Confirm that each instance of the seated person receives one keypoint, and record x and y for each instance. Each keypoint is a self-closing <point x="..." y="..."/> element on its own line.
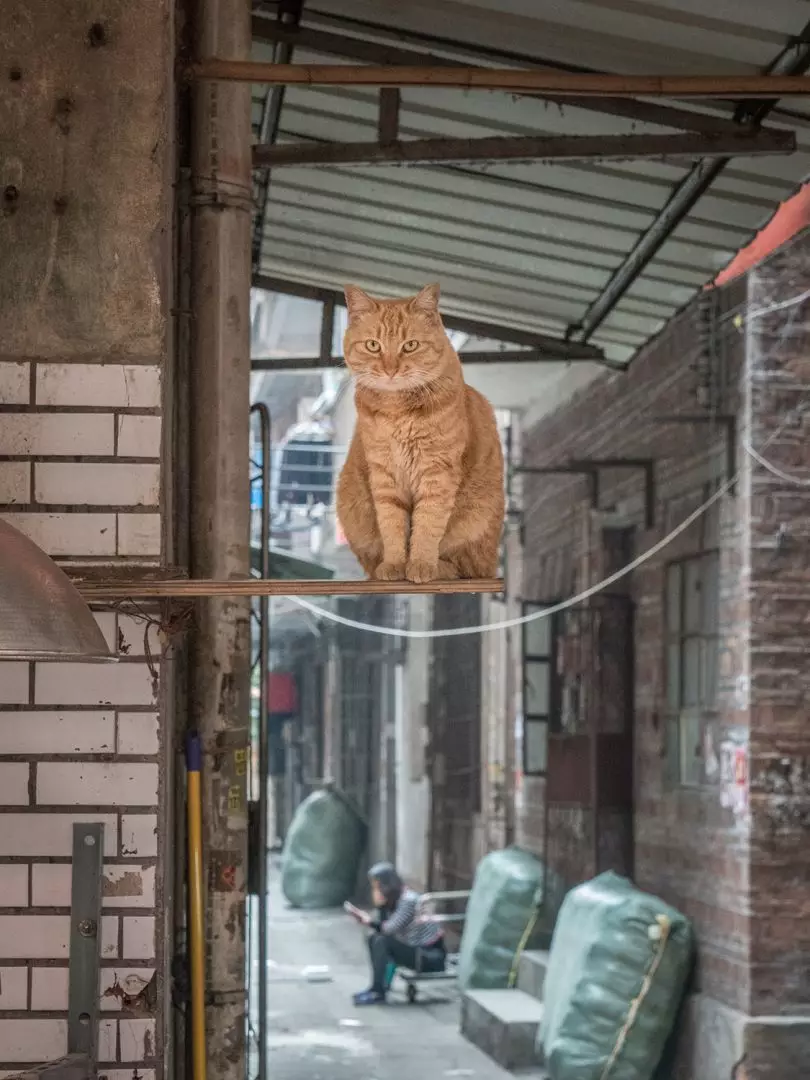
<point x="401" y="936"/>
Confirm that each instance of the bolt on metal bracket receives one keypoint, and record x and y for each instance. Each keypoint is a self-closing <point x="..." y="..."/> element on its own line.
<point x="85" y="919"/>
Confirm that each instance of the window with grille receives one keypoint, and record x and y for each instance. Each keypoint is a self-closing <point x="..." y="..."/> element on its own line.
<point x="692" y="613"/>
<point x="538" y="689"/>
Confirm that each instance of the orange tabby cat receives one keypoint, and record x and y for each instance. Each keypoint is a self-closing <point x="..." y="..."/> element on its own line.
<point x="421" y="493"/>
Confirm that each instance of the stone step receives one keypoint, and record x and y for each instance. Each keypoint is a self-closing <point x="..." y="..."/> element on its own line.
<point x="532" y="968"/>
<point x="503" y="1023"/>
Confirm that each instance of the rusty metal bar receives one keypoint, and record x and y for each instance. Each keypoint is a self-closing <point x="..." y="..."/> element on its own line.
<point x="98" y="591"/>
<point x="509" y="80"/>
<point x="375" y="52"/>
<point x="526" y="148"/>
<point x="219" y="683"/>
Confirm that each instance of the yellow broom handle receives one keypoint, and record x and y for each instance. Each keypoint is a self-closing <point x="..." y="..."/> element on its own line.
<point x="196" y="930"/>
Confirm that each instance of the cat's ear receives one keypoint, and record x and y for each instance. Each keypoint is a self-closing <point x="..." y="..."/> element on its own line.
<point x="358" y="302"/>
<point x="427" y="300"/>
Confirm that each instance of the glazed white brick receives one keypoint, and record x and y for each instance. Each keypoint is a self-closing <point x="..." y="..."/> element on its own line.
<point x="133" y="386"/>
<point x="34" y="937"/>
<point x="108" y="1042"/>
<point x="139" y="534"/>
<point x="139" y="835"/>
<point x="107" y="624"/>
<point x="13" y="988"/>
<point x="68" y="534"/>
<point x="34" y="1040"/>
<point x="14" y="778"/>
<point x="139" y="436"/>
<point x="15" y="482"/>
<point x="131" y="636"/>
<point x="139" y="937"/>
<point x="137" y="1039"/>
<point x="128" y="886"/>
<point x="126" y="1074"/>
<point x="97" y="484"/>
<point x="137" y="733"/>
<point x="14" y="682"/>
<point x="49" y="989"/>
<point x="41" y="434"/>
<point x="46" y="835"/>
<point x="109" y="937"/>
<point x="91" y="783"/>
<point x="14" y="886"/>
<point x="15" y="383"/>
<point x="55" y="732"/>
<point x="93" y="684"/>
<point x="113" y="980"/>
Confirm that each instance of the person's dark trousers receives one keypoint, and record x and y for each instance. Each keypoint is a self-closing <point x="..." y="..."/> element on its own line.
<point x="385" y="950"/>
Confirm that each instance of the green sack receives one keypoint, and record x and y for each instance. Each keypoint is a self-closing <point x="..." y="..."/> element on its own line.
<point x="322" y="852"/>
<point x="616" y="975"/>
<point x="502" y="915"/>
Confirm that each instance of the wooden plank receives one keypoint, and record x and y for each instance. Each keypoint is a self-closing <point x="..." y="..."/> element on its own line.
<point x="388" y="122"/>
<point x="98" y="591"/>
<point x="529" y="148"/>
<point x="509" y="80"/>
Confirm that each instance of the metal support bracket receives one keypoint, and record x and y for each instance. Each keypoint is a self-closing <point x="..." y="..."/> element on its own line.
<point x="85" y="930"/>
<point x="646" y="465"/>
<point x="574" y="469"/>
<point x="729" y="423"/>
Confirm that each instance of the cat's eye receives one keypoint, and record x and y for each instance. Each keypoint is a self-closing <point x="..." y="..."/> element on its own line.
<point x="410" y="346"/>
<point x="372" y="345"/>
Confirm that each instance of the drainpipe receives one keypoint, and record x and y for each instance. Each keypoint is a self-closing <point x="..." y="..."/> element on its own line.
<point x="221" y="198"/>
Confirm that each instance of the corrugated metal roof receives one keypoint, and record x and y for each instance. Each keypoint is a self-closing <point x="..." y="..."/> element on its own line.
<point x="526" y="245"/>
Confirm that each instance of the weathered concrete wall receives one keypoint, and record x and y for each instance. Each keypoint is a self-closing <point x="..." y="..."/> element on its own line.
<point x="85" y="241"/>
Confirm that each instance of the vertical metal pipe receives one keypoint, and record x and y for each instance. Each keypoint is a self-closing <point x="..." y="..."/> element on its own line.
<point x="261" y="410"/>
<point x="221" y="206"/>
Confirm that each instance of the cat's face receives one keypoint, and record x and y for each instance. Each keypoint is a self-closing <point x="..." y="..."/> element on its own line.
<point x="393" y="345"/>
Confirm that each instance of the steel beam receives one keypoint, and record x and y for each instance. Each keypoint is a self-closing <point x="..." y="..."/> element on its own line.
<point x="374" y="52"/>
<point x="526" y="148"/>
<point x="552" y="348"/>
<point x="219" y="683"/>
<point x="85" y="939"/>
<point x="509" y="80"/>
<point x="792" y="62"/>
<point x="645" y="465"/>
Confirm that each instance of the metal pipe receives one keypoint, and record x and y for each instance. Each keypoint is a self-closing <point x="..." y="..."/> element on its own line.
<point x="196" y="928"/>
<point x="219" y="684"/>
<point x="261" y="410"/>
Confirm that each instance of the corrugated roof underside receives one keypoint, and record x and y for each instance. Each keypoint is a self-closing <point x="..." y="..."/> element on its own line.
<point x="529" y="245"/>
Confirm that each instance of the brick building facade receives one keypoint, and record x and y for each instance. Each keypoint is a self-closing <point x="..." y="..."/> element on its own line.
<point x="717" y="763"/>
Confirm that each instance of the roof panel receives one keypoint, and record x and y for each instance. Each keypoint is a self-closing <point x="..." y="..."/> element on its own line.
<point x="529" y="244"/>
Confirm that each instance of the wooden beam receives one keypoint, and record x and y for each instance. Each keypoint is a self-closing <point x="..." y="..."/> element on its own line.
<point x="373" y="52"/>
<point x="508" y="80"/>
<point x="494" y="356"/>
<point x="529" y="148"/>
<point x="99" y="591"/>
<point x="388" y="122"/>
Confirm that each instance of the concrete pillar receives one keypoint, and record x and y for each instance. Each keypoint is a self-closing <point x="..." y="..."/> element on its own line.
<point x="220" y="381"/>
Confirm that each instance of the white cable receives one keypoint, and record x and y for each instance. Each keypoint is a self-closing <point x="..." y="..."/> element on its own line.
<point x="791" y="301"/>
<point x="798" y="480"/>
<point x="390" y="631"/>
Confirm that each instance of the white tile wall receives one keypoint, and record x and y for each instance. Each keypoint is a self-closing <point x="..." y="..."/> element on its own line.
<point x="137" y="733"/>
<point x="14" y="779"/>
<point x="13" y="988"/>
<point x="33" y="1040"/>
<point x="56" y="732"/>
<point x="34" y="937"/>
<point x="139" y="534"/>
<point x="123" y="886"/>
<point x="93" y="684"/>
<point x="49" y="989"/>
<point x="45" y="835"/>
<point x="15" y="678"/>
<point x="68" y="534"/>
<point x="87" y="783"/>
<point x="14" y="885"/>
<point x="139" y="835"/>
<point x="139" y="937"/>
<point x="125" y="386"/>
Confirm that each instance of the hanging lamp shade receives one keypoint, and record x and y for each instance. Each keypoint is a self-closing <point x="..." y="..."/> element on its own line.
<point x="42" y="616"/>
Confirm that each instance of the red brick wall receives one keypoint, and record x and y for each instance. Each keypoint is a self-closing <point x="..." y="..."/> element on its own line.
<point x="688" y="848"/>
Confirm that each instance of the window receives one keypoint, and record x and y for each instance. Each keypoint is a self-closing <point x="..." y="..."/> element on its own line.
<point x="538" y="689"/>
<point x="692" y="608"/>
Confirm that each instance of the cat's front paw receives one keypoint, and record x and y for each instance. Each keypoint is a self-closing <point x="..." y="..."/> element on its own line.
<point x="419" y="571"/>
<point x="388" y="571"/>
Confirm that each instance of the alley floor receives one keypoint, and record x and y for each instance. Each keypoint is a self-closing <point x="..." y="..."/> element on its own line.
<point x="315" y="1033"/>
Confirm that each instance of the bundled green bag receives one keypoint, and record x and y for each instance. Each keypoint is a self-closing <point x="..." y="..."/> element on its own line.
<point x="502" y="916"/>
<point x="322" y="852"/>
<point x="617" y="970"/>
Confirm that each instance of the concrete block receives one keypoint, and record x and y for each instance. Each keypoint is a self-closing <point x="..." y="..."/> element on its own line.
<point x="532" y="973"/>
<point x="504" y="1024"/>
